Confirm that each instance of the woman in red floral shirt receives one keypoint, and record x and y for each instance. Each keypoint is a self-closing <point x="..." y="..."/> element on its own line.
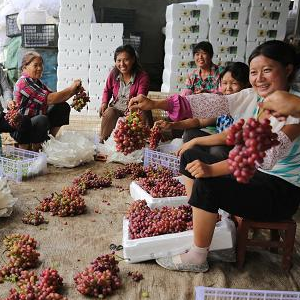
<point x="47" y="110"/>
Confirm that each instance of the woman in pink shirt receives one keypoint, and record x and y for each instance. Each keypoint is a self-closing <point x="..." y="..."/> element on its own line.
<point x="126" y="80"/>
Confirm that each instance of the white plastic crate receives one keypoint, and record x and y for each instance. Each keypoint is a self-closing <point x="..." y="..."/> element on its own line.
<point x="137" y="193"/>
<point x="209" y="293"/>
<point x="137" y="250"/>
<point x="162" y="157"/>
<point x="17" y="164"/>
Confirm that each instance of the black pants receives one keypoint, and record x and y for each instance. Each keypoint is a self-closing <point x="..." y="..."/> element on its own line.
<point x="57" y="115"/>
<point x="265" y="197"/>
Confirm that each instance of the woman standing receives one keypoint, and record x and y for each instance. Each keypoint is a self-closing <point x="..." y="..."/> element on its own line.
<point x="47" y="110"/>
<point x="126" y="80"/>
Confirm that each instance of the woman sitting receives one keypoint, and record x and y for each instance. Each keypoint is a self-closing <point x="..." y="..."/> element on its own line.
<point x="126" y="80"/>
<point x="273" y="192"/>
<point x="47" y="110"/>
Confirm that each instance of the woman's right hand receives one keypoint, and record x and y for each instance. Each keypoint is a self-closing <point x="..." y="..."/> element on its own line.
<point x="162" y="124"/>
<point x="140" y="102"/>
<point x="76" y="86"/>
<point x="186" y="146"/>
<point x="103" y="108"/>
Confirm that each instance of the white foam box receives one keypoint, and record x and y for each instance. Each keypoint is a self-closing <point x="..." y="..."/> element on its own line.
<point x="262" y="33"/>
<point x="221" y="47"/>
<point x="73" y="55"/>
<point x="222" y="59"/>
<point x="226" y="2"/>
<point x="227" y="12"/>
<point x="137" y="250"/>
<point x="180" y="46"/>
<point x="175" y="62"/>
<point x="271" y="4"/>
<point x="267" y="16"/>
<point x="95" y="88"/>
<point x="76" y="11"/>
<point x="76" y="18"/>
<point x="166" y="88"/>
<point x="190" y="30"/>
<point x="187" y="11"/>
<point x="99" y="71"/>
<point x="250" y="47"/>
<point x="227" y="33"/>
<point x="174" y="77"/>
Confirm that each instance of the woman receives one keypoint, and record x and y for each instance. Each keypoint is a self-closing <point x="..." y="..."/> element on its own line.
<point x="234" y="78"/>
<point x="125" y="81"/>
<point x="47" y="110"/>
<point x="208" y="185"/>
<point x="206" y="77"/>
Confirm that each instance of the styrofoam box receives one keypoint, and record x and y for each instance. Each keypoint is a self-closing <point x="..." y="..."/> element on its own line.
<point x="165" y="88"/>
<point x="228" y="33"/>
<point x="267" y="16"/>
<point x="142" y="249"/>
<point x="221" y="2"/>
<point x="183" y="11"/>
<point x="138" y="193"/>
<point x="72" y="55"/>
<point x="238" y="49"/>
<point x="222" y="59"/>
<point x="262" y="33"/>
<point x="176" y="77"/>
<point x="179" y="46"/>
<point x="206" y="293"/>
<point x="175" y="62"/>
<point x="271" y="4"/>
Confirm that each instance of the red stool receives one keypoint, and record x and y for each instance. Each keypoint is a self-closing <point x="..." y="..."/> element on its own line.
<point x="278" y="240"/>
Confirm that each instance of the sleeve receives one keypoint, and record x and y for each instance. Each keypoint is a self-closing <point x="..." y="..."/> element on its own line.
<point x="144" y="84"/>
<point x="178" y="108"/>
<point x="189" y="86"/>
<point x="6" y="89"/>
<point x="108" y="90"/>
<point x="277" y="152"/>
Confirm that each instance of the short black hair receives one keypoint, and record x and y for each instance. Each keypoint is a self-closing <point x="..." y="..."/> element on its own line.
<point x="239" y="71"/>
<point x="204" y="46"/>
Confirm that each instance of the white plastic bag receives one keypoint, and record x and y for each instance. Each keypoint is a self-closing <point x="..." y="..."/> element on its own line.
<point x="109" y="149"/>
<point x="69" y="150"/>
<point x="7" y="201"/>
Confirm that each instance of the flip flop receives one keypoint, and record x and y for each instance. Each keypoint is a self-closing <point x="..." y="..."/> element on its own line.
<point x="174" y="263"/>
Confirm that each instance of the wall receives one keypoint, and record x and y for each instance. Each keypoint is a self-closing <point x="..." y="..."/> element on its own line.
<point x="150" y="19"/>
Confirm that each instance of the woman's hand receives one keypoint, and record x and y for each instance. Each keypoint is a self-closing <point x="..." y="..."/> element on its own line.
<point x="103" y="108"/>
<point x="162" y="124"/>
<point x="198" y="169"/>
<point x="76" y="86"/>
<point x="186" y="146"/>
<point x="140" y="102"/>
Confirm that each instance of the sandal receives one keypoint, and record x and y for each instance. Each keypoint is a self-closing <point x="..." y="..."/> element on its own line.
<point x="174" y="263"/>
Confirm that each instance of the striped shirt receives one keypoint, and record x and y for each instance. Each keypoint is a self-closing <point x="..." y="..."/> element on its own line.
<point x="31" y="95"/>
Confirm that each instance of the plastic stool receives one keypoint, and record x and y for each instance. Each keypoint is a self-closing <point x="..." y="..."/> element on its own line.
<point x="278" y="240"/>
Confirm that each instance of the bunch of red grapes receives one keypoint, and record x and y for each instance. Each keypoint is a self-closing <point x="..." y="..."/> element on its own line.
<point x="67" y="203"/>
<point x="101" y="278"/>
<point x="135" y="276"/>
<point x="22" y="255"/>
<point x="251" y="141"/>
<point x="147" y="222"/>
<point x="34" y="218"/>
<point x="131" y="134"/>
<point x="134" y="169"/>
<point x="80" y="100"/>
<point x="160" y="183"/>
<point x="13" y="116"/>
<point x="90" y="180"/>
<point x="155" y="137"/>
<point x="32" y="287"/>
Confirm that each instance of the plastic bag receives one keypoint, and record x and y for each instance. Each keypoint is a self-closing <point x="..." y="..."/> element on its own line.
<point x="7" y="201"/>
<point x="69" y="150"/>
<point x="109" y="149"/>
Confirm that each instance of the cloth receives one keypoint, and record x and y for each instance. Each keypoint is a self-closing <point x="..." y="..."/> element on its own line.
<point x="223" y="122"/>
<point x="5" y="89"/>
<point x="264" y="198"/>
<point x="31" y="95"/>
<point x="111" y="90"/>
<point x="195" y="84"/>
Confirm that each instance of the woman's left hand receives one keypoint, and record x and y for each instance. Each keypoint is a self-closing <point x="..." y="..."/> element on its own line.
<point x="198" y="169"/>
<point x="76" y="86"/>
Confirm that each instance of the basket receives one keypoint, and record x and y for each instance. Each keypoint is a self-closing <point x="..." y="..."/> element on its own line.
<point x="12" y="28"/>
<point x="160" y="158"/>
<point x="208" y="293"/>
<point x="17" y="164"/>
<point x="39" y="35"/>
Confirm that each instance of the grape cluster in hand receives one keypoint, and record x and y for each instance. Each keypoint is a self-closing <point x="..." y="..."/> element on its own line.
<point x="13" y="116"/>
<point x="131" y="134"/>
<point x="155" y="137"/>
<point x="22" y="255"/>
<point x="33" y="218"/>
<point x="80" y="100"/>
<point x="147" y="222"/>
<point x="32" y="287"/>
<point x="100" y="279"/>
<point x="251" y="141"/>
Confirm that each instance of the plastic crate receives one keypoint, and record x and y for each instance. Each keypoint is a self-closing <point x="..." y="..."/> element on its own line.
<point x="208" y="293"/>
<point x="162" y="157"/>
<point x="12" y="28"/>
<point x="39" y="35"/>
<point x="17" y="164"/>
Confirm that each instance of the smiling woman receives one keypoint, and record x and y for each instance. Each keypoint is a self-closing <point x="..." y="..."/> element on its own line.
<point x="47" y="110"/>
